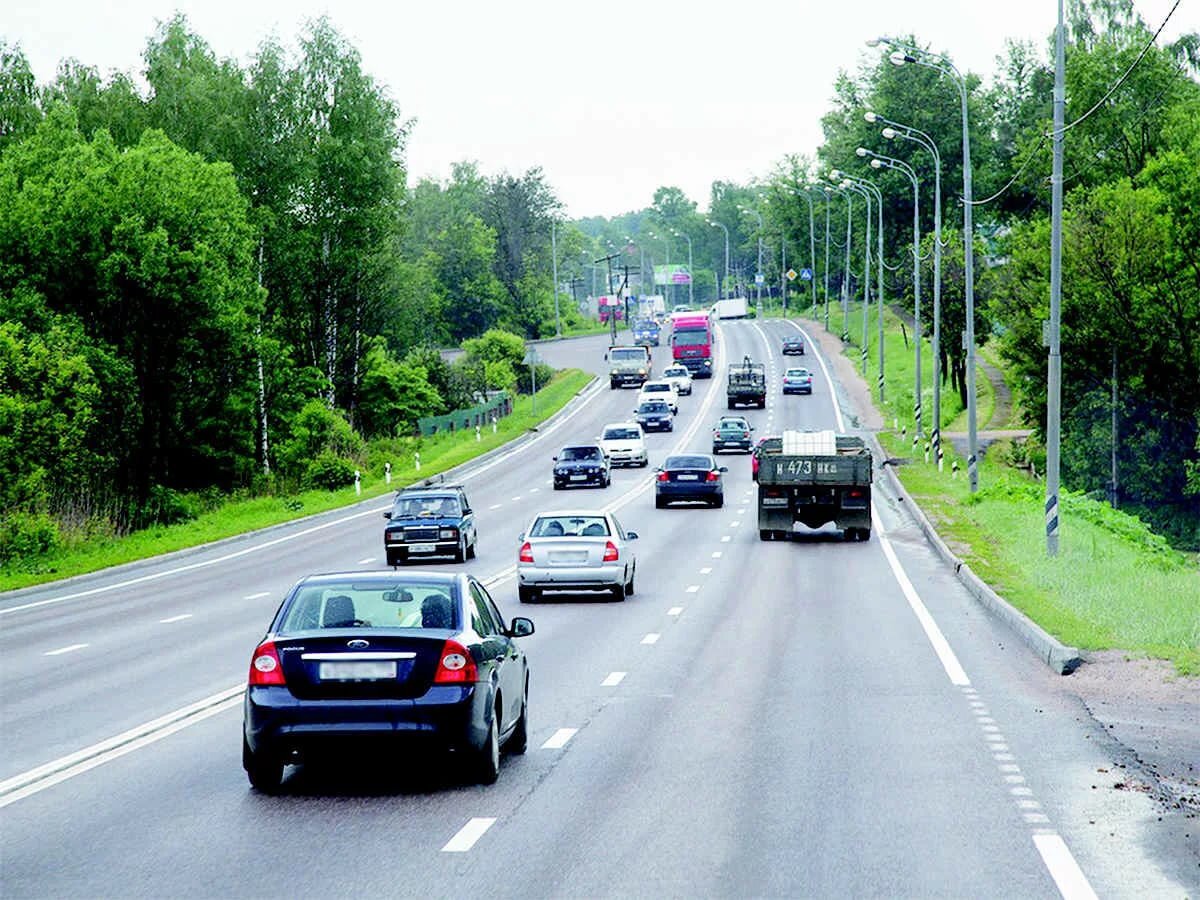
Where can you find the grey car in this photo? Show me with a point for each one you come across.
(575, 551)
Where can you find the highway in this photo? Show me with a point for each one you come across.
(803, 718)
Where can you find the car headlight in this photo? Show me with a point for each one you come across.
(448, 534)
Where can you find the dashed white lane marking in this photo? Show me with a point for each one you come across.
(1072, 883)
(257, 596)
(515, 499)
(716, 554)
(707, 570)
(559, 739)
(495, 506)
(534, 490)
(726, 539)
(651, 638)
(735, 523)
(693, 588)
(178, 618)
(674, 610)
(468, 835)
(369, 559)
(613, 679)
(61, 650)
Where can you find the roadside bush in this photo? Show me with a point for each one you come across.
(329, 472)
(24, 536)
(317, 430)
(165, 506)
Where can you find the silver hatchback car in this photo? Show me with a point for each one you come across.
(575, 551)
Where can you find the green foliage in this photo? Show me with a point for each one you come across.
(26, 536)
(328, 472)
(19, 112)
(317, 431)
(393, 394)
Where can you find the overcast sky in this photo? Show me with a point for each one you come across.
(611, 99)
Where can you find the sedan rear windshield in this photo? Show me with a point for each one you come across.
(373, 604)
(797, 373)
(688, 462)
(576, 454)
(654, 387)
(622, 434)
(675, 372)
(570, 526)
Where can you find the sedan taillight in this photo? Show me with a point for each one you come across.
(713, 476)
(265, 667)
(663, 476)
(456, 666)
(526, 553)
(610, 552)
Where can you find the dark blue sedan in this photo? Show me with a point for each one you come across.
(386, 662)
(694, 476)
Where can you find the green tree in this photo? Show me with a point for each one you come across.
(19, 112)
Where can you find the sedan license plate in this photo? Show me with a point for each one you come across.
(579, 478)
(422, 548)
(687, 477)
(356, 671)
(568, 557)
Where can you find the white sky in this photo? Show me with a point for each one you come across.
(611, 99)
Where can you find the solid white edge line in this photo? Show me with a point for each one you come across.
(1067, 875)
(940, 645)
(468, 835)
(189, 713)
(559, 739)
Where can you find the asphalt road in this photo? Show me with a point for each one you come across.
(810, 718)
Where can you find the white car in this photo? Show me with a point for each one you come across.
(624, 443)
(680, 377)
(660, 390)
(575, 551)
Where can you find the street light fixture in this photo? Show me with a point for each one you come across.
(691, 277)
(900, 56)
(812, 240)
(715, 224)
(878, 194)
(894, 131)
(879, 161)
(860, 189)
(758, 275)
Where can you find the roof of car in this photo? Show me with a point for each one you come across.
(581, 447)
(384, 576)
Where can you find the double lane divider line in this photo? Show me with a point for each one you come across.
(468, 835)
(20, 786)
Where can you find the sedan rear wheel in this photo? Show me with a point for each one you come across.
(518, 741)
(264, 771)
(460, 552)
(629, 583)
(618, 592)
(485, 762)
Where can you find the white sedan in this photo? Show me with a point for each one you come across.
(624, 443)
(575, 551)
(680, 377)
(660, 390)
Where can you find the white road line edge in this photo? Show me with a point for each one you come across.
(613, 679)
(1071, 881)
(178, 618)
(61, 650)
(651, 638)
(257, 596)
(468, 835)
(559, 739)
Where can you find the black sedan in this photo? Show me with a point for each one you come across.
(694, 476)
(582, 465)
(655, 415)
(386, 661)
(793, 344)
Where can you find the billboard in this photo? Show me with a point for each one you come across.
(672, 275)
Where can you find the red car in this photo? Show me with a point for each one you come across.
(757, 451)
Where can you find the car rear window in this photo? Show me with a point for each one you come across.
(622, 434)
(688, 462)
(797, 372)
(375, 604)
(570, 526)
(652, 386)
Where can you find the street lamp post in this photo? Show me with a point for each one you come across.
(691, 278)
(878, 194)
(758, 275)
(812, 243)
(554, 267)
(901, 55)
(854, 185)
(908, 133)
(879, 162)
(715, 224)
(828, 196)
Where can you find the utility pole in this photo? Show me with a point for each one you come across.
(1054, 376)
(612, 317)
(554, 266)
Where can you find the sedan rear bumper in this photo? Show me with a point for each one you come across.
(689, 490)
(585, 578)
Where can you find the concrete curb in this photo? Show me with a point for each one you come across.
(1062, 659)
(460, 470)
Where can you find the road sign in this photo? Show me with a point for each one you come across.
(791, 274)
(806, 274)
(759, 278)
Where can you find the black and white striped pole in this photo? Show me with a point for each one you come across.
(1054, 375)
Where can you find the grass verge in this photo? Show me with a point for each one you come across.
(438, 454)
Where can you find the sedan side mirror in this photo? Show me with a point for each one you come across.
(632, 535)
(723, 469)
(555, 458)
(520, 627)
(387, 515)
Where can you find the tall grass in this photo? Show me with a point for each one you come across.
(237, 516)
